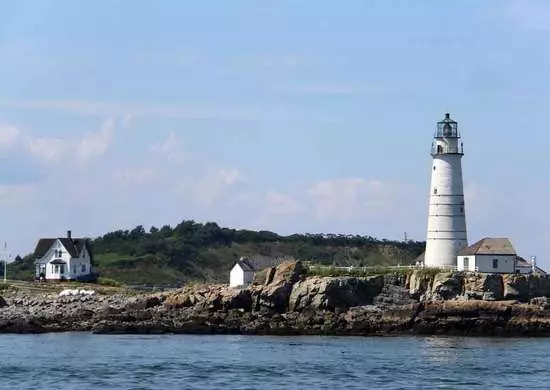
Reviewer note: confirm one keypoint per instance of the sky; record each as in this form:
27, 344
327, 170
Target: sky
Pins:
290, 116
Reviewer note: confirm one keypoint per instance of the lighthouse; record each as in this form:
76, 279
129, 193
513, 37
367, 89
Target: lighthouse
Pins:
446, 216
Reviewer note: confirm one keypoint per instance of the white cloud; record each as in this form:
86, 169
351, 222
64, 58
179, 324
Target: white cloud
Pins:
138, 176
9, 136
171, 149
47, 149
345, 199
127, 120
96, 144
10, 194
229, 176
169, 145
277, 204
133, 110
213, 185
52, 150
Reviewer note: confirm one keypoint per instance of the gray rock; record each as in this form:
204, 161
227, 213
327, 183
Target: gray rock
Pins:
447, 286
476, 284
326, 293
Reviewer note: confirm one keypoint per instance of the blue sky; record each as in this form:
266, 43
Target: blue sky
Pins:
292, 116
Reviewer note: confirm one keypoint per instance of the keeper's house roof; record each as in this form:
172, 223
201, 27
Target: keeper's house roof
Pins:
489, 246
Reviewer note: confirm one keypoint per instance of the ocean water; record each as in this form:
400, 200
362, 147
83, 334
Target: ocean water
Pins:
87, 361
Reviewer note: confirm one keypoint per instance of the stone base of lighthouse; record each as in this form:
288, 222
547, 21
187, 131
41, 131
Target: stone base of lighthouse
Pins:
442, 253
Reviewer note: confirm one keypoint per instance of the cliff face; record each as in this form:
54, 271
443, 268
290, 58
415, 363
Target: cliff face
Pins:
477, 286
285, 301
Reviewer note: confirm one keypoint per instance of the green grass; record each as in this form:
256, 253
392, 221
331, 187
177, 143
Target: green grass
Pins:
107, 282
431, 272
357, 272
375, 270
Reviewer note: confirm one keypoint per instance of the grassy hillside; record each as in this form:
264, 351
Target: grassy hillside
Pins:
205, 252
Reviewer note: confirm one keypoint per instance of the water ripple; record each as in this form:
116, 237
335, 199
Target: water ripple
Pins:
85, 361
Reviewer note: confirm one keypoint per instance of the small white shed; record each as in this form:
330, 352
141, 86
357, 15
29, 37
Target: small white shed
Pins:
490, 255
242, 273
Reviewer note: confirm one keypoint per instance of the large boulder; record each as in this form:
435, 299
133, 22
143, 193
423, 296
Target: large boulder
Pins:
516, 287
327, 293
539, 286
484, 286
420, 283
187, 296
209, 298
447, 285
275, 293
525, 287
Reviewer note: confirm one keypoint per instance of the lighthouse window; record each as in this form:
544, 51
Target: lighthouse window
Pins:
435, 191
434, 167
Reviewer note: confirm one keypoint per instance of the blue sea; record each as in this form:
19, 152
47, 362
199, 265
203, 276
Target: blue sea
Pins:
87, 361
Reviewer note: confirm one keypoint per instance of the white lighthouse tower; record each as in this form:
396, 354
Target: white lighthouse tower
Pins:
446, 218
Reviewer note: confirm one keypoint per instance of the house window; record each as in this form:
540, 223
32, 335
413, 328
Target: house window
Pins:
462, 209
466, 261
83, 268
74, 268
495, 263
58, 253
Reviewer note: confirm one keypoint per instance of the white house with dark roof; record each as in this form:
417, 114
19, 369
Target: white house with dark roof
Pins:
528, 267
63, 258
494, 255
242, 273
491, 255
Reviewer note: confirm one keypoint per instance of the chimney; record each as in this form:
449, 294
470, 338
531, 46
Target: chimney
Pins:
69, 234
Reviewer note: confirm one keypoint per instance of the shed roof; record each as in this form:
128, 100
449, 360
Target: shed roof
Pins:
259, 262
489, 246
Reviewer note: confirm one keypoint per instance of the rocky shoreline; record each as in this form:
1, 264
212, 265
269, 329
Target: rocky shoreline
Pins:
284, 301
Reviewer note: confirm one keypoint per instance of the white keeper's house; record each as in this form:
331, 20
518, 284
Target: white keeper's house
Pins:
494, 255
63, 258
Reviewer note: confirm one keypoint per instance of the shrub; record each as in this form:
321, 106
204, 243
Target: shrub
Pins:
107, 282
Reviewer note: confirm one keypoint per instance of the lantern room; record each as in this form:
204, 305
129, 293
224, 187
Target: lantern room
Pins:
447, 128
447, 138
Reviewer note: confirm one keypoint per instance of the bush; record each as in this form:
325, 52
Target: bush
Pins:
4, 286
107, 282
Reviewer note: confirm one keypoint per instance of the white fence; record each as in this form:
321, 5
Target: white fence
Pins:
380, 268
